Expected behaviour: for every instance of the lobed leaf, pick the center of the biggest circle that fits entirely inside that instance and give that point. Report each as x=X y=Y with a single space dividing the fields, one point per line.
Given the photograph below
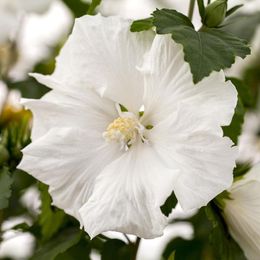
x=207 y=50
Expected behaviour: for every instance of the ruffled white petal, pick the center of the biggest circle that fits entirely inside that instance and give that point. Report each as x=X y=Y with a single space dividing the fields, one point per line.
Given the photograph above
x=128 y=194
x=68 y=160
x=243 y=211
x=103 y=54
x=59 y=109
x=205 y=159
x=169 y=85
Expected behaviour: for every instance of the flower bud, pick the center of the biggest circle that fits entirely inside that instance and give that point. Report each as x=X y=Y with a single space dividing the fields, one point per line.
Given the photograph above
x=215 y=13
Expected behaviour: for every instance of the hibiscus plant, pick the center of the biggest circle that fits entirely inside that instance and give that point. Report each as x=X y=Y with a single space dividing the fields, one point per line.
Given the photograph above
x=131 y=129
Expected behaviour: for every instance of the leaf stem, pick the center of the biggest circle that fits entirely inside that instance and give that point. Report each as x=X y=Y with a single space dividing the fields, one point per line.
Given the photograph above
x=191 y=9
x=136 y=247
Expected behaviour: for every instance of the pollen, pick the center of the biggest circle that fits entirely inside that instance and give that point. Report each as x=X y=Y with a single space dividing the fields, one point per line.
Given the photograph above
x=123 y=130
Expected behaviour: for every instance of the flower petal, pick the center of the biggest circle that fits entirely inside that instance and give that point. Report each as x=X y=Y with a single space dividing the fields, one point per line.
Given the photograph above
x=242 y=213
x=205 y=159
x=169 y=84
x=68 y=160
x=128 y=194
x=103 y=54
x=58 y=109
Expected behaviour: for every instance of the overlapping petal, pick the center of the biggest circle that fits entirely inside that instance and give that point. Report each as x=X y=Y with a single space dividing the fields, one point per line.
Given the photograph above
x=60 y=109
x=128 y=194
x=169 y=85
x=110 y=189
x=68 y=160
x=205 y=159
x=242 y=213
x=103 y=54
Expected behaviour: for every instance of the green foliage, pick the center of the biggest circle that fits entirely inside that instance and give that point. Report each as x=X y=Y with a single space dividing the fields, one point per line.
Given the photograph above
x=57 y=245
x=245 y=100
x=142 y=25
x=241 y=170
x=233 y=10
x=233 y=131
x=29 y=88
x=78 y=7
x=94 y=4
x=201 y=7
x=50 y=219
x=196 y=248
x=206 y=50
x=116 y=249
x=169 y=204
x=244 y=92
x=5 y=187
x=224 y=245
x=211 y=239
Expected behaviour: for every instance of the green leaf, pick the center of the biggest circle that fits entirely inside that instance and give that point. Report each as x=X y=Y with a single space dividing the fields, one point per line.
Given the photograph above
x=116 y=249
x=94 y=4
x=80 y=251
x=201 y=8
x=241 y=170
x=142 y=25
x=233 y=10
x=224 y=245
x=58 y=245
x=50 y=219
x=207 y=50
x=29 y=88
x=244 y=92
x=169 y=204
x=77 y=7
x=233 y=131
x=5 y=187
x=167 y=21
x=172 y=256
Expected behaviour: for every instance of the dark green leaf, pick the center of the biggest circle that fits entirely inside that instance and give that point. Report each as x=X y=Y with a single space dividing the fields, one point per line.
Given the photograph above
x=29 y=88
x=77 y=7
x=244 y=92
x=5 y=187
x=207 y=50
x=115 y=249
x=80 y=251
x=201 y=8
x=167 y=21
x=94 y=4
x=233 y=131
x=233 y=10
x=224 y=245
x=142 y=25
x=169 y=204
x=241 y=170
x=50 y=219
x=196 y=248
x=58 y=245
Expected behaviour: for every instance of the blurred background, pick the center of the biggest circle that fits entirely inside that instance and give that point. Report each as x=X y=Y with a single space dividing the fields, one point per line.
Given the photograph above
x=31 y=34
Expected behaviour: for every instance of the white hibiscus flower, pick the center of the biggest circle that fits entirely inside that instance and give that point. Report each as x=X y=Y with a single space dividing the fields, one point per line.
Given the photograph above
x=113 y=169
x=242 y=213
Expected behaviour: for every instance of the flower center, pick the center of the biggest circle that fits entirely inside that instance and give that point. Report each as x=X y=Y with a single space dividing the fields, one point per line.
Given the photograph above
x=123 y=130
